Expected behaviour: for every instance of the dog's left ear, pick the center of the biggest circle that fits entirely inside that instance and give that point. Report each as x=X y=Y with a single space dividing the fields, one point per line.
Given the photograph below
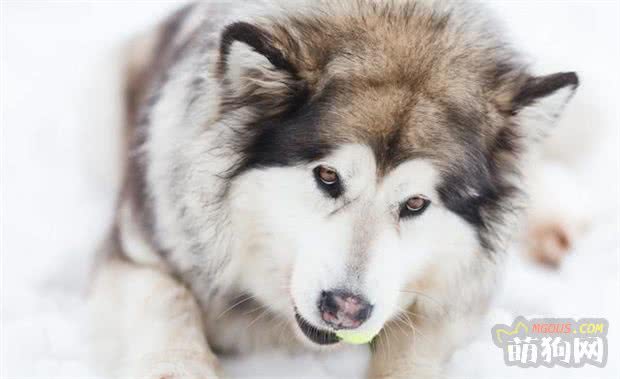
x=256 y=70
x=539 y=102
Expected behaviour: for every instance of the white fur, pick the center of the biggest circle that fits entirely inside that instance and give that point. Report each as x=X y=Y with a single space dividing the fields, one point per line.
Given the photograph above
x=161 y=316
x=306 y=241
x=277 y=236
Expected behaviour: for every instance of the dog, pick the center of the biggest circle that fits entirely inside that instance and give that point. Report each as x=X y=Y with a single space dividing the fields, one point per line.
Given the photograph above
x=342 y=166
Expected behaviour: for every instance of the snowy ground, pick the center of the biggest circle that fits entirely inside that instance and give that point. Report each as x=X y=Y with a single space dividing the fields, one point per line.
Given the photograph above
x=56 y=188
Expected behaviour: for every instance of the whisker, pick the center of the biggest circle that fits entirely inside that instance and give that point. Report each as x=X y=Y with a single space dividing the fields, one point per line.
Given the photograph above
x=415 y=315
x=249 y=297
x=407 y=320
x=387 y=338
x=281 y=327
x=260 y=316
x=399 y=320
x=261 y=306
x=416 y=331
x=422 y=294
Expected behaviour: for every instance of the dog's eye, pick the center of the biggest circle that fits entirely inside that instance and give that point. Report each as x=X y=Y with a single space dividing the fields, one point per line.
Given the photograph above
x=414 y=206
x=328 y=180
x=327 y=175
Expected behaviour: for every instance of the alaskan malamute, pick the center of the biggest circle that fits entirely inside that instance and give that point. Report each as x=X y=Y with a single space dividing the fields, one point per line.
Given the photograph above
x=342 y=165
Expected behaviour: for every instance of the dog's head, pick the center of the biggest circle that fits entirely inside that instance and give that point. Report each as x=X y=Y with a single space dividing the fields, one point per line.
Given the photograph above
x=379 y=149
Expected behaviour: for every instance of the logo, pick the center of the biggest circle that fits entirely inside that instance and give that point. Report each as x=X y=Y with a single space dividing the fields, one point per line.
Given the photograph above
x=553 y=341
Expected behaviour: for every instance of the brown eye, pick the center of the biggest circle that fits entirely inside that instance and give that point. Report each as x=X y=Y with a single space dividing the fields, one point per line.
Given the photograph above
x=415 y=203
x=414 y=206
x=327 y=175
x=328 y=181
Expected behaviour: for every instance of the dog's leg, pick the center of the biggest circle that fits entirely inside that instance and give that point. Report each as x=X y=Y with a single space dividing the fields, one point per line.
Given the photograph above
x=155 y=320
x=417 y=344
x=557 y=213
x=403 y=352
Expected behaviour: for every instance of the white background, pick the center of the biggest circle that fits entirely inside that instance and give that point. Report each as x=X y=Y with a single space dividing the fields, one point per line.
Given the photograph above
x=57 y=185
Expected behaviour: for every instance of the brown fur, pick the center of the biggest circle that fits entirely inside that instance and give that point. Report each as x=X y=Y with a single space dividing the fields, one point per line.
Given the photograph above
x=403 y=78
x=395 y=72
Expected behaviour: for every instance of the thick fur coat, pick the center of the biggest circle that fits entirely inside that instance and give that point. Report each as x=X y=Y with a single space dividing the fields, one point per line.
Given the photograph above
x=349 y=164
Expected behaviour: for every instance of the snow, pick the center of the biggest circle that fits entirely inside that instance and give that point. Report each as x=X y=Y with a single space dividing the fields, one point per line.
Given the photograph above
x=57 y=187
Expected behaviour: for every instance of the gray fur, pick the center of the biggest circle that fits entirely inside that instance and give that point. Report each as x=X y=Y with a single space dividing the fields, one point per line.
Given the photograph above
x=432 y=80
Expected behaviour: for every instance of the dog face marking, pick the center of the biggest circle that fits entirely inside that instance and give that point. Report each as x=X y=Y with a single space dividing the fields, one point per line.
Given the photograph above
x=354 y=150
x=370 y=173
x=364 y=242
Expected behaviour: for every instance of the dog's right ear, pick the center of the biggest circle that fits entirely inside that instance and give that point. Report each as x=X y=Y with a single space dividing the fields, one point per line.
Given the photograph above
x=256 y=71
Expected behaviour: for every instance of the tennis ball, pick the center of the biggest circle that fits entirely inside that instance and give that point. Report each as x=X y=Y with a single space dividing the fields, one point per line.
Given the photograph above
x=355 y=338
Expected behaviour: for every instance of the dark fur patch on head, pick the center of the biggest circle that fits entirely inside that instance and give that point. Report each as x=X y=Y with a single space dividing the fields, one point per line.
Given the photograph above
x=286 y=139
x=407 y=81
x=478 y=188
x=475 y=182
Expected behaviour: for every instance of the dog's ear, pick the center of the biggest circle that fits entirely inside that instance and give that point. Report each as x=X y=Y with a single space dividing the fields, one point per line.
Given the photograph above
x=256 y=71
x=539 y=102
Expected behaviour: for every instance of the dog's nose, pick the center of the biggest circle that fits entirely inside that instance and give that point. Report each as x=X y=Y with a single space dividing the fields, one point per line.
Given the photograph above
x=343 y=310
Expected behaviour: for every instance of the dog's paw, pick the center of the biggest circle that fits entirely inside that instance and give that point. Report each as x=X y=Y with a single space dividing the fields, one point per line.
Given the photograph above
x=559 y=212
x=549 y=243
x=182 y=365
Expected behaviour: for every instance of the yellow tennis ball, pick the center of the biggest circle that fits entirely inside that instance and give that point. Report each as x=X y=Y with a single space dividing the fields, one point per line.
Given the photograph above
x=355 y=338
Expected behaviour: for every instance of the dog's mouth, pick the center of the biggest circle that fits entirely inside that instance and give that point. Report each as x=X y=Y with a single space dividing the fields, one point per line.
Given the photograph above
x=314 y=334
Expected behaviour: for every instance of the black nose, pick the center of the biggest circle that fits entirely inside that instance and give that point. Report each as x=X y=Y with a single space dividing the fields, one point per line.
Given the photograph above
x=343 y=310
